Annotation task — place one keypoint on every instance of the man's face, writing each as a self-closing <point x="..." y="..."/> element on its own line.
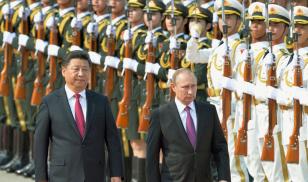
<point x="76" y="74"/>
<point x="99" y="5"/>
<point x="135" y="15"/>
<point x="185" y="88"/>
<point x="156" y="19"/>
<point x="233" y="22"/>
<point x="82" y="5"/>
<point x="179" y="25"/>
<point x="302" y="33"/>
<point x="64" y="3"/>
<point x="278" y="30"/>
<point x="117" y="6"/>
<point x="258" y="29"/>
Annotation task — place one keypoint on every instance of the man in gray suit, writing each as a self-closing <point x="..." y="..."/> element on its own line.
<point x="77" y="124"/>
<point x="187" y="132"/>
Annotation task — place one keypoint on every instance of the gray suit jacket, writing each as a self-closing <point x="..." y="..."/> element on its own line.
<point x="72" y="158"/>
<point x="181" y="163"/>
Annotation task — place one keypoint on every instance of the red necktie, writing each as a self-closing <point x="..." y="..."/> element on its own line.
<point x="79" y="116"/>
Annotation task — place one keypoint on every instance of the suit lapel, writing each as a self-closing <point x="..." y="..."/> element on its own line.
<point x="90" y="111"/>
<point x="67" y="111"/>
<point x="179" y="123"/>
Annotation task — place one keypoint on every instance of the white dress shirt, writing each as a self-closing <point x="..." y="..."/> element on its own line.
<point x="71" y="100"/>
<point x="181" y="109"/>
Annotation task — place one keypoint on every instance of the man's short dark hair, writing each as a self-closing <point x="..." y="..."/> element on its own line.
<point x="78" y="54"/>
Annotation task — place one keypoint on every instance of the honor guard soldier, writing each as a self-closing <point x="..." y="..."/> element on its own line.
<point x="294" y="126"/>
<point x="15" y="124"/>
<point x="229" y="13"/>
<point x="275" y="60"/>
<point x="173" y="56"/>
<point x="200" y="23"/>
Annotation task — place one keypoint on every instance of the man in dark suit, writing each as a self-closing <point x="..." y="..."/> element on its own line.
<point x="77" y="124"/>
<point x="188" y="132"/>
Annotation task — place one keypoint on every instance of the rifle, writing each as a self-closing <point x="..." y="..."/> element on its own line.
<point x="123" y="115"/>
<point x="76" y="32"/>
<point x="110" y="72"/>
<point x="174" y="55"/>
<point x="93" y="47"/>
<point x="268" y="145"/>
<point x="227" y="72"/>
<point x="20" y="89"/>
<point x="37" y="93"/>
<point x="144" y="118"/>
<point x="8" y="53"/>
<point x="241" y="141"/>
<point x="53" y="40"/>
<point x="293" y="147"/>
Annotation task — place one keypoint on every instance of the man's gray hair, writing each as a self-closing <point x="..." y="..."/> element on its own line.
<point x="182" y="71"/>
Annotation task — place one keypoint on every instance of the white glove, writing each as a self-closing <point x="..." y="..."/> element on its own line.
<point x="5" y="10"/>
<point x="215" y="17"/>
<point x="228" y="83"/>
<point x="294" y="61"/>
<point x="296" y="92"/>
<point x="272" y="93"/>
<point x="51" y="22"/>
<point x="245" y="87"/>
<point x="269" y="59"/>
<point x="92" y="28"/>
<point x="8" y="37"/>
<point x="110" y="30"/>
<point x="53" y="50"/>
<point x="304" y="97"/>
<point x="194" y="34"/>
<point x="23" y="39"/>
<point x="130" y="64"/>
<point x="215" y="43"/>
<point x="111" y="61"/>
<point x="173" y="43"/>
<point x="171" y="73"/>
<point x="152" y="68"/>
<point x="38" y="18"/>
<point x="149" y="38"/>
<point x="76" y="23"/>
<point x="192" y="50"/>
<point x="127" y="35"/>
<point x="260" y="92"/>
<point x="283" y="98"/>
<point x="23" y="11"/>
<point x="95" y="57"/>
<point x="40" y="45"/>
<point x="75" y="48"/>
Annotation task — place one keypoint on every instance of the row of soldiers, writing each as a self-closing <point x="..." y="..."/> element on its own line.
<point x="244" y="55"/>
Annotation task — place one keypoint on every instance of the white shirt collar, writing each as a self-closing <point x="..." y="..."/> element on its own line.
<point x="83" y="14"/>
<point x="46" y="9"/>
<point x="114" y="21"/>
<point x="101" y="17"/>
<point x="34" y="5"/>
<point x="62" y="12"/>
<point x="133" y="29"/>
<point x="277" y="47"/>
<point x="71" y="94"/>
<point x="231" y="38"/>
<point x="181" y="106"/>
<point x="259" y="45"/>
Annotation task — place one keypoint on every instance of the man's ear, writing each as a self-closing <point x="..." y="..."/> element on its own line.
<point x="63" y="70"/>
<point x="172" y="85"/>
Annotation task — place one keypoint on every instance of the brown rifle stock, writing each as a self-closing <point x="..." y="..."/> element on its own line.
<point x="174" y="64"/>
<point x="53" y="39"/>
<point x="123" y="115"/>
<point x="269" y="145"/>
<point x="20" y="90"/>
<point x="241" y="141"/>
<point x="110" y="72"/>
<point x="38" y="90"/>
<point x="144" y="119"/>
<point x="293" y="147"/>
<point x="4" y="79"/>
<point x="226" y="97"/>
<point x="216" y="32"/>
<point x="93" y="47"/>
